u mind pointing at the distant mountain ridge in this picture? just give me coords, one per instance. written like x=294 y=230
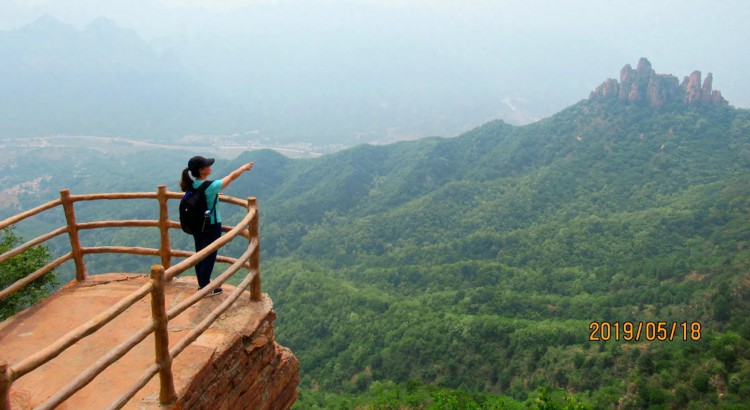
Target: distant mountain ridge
x=105 y=80
x=101 y=80
x=47 y=46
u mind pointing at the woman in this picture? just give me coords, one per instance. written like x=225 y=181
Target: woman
x=200 y=168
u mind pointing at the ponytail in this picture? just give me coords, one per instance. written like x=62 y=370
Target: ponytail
x=186 y=182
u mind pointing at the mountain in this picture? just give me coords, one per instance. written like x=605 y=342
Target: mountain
x=277 y=74
x=102 y=80
x=487 y=262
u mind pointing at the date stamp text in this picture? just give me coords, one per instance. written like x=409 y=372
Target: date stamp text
x=650 y=331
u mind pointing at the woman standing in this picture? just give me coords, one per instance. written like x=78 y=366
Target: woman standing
x=200 y=168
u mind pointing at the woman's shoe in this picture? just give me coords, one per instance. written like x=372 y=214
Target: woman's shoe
x=217 y=291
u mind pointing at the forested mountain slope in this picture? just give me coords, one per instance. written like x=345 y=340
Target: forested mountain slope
x=479 y=262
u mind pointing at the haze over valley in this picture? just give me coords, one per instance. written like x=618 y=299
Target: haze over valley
x=333 y=74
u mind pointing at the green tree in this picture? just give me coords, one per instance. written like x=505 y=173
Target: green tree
x=19 y=267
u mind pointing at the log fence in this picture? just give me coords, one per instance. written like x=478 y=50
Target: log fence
x=160 y=276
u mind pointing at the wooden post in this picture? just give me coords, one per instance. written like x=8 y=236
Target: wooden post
x=253 y=228
x=75 y=242
x=165 y=250
x=5 y=381
x=167 y=393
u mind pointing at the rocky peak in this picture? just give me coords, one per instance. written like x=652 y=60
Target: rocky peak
x=644 y=69
x=643 y=86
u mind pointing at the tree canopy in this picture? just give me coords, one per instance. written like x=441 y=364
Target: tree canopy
x=19 y=267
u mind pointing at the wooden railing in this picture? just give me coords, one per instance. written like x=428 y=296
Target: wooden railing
x=160 y=274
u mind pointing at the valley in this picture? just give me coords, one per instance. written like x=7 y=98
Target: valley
x=223 y=146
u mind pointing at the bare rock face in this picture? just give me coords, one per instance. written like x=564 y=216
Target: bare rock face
x=627 y=80
x=706 y=89
x=644 y=69
x=662 y=88
x=250 y=371
x=693 y=88
x=643 y=86
x=609 y=88
x=708 y=94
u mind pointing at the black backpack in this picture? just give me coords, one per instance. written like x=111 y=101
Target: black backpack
x=194 y=213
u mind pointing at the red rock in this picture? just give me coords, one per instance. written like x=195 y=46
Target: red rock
x=693 y=88
x=706 y=91
x=643 y=86
x=234 y=364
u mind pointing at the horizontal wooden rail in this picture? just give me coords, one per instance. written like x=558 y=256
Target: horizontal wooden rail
x=147 y=195
x=118 y=224
x=175 y=310
x=148 y=252
x=92 y=197
x=219 y=258
x=35 y=275
x=113 y=196
x=205 y=323
x=31 y=212
x=133 y=250
x=123 y=399
x=92 y=325
x=232 y=200
x=92 y=371
x=223 y=198
x=144 y=224
x=243 y=233
x=34 y=242
x=224 y=228
x=213 y=247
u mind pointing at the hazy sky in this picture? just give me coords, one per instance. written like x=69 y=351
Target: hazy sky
x=549 y=53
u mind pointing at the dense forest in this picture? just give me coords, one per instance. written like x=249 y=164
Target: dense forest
x=593 y=259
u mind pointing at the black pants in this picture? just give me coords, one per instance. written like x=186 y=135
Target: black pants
x=204 y=268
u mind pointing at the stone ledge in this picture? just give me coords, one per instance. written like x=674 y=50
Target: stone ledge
x=235 y=364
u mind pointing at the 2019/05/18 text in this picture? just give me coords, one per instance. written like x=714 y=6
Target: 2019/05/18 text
x=650 y=331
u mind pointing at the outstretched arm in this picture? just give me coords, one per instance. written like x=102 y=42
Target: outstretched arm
x=235 y=174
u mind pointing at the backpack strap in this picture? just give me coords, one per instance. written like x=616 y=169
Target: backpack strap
x=203 y=188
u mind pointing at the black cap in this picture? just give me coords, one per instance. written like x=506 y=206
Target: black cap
x=199 y=162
